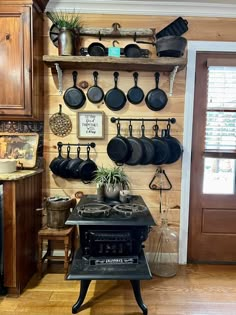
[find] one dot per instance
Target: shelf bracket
(59, 76)
(172, 79)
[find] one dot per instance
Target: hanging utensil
(160, 180)
(135, 94)
(60, 123)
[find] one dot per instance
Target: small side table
(65, 235)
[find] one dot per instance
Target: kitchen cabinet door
(16, 63)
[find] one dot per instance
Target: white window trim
(193, 48)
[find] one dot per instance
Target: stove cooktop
(89, 211)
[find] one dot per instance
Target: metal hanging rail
(92, 144)
(170, 120)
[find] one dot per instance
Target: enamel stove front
(111, 237)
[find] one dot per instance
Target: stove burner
(94, 210)
(128, 210)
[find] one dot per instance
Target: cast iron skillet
(95, 94)
(119, 148)
(149, 149)
(175, 146)
(73, 96)
(136, 149)
(115, 98)
(73, 165)
(62, 170)
(94, 49)
(86, 169)
(156, 99)
(162, 150)
(135, 95)
(56, 161)
(134, 51)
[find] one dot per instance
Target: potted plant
(110, 181)
(68, 25)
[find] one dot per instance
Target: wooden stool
(66, 235)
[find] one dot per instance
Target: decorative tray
(21, 147)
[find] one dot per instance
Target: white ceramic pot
(7, 166)
(112, 192)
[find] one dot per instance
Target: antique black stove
(111, 237)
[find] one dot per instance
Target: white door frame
(193, 48)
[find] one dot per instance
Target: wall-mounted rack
(169, 120)
(91, 144)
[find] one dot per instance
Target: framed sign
(91, 125)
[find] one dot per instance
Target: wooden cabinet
(21, 49)
(22, 222)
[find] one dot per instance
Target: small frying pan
(62, 170)
(136, 149)
(135, 95)
(119, 148)
(175, 147)
(149, 149)
(56, 161)
(73, 96)
(156, 99)
(162, 150)
(115, 98)
(95, 94)
(87, 168)
(73, 165)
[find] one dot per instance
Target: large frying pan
(175, 147)
(115, 98)
(62, 170)
(56, 161)
(95, 94)
(137, 149)
(156, 99)
(149, 149)
(119, 148)
(74, 97)
(86, 169)
(162, 151)
(135, 94)
(73, 165)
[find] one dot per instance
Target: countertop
(19, 174)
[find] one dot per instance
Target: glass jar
(164, 258)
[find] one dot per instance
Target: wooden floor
(195, 290)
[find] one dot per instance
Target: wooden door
(212, 221)
(15, 61)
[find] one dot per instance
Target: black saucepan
(136, 149)
(56, 161)
(149, 148)
(115, 98)
(73, 96)
(156, 99)
(135, 94)
(175, 147)
(87, 168)
(162, 150)
(62, 167)
(95, 94)
(73, 165)
(119, 148)
(134, 51)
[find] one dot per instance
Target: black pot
(171, 46)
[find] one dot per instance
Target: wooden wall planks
(211, 29)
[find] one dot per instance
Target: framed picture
(21, 147)
(90, 125)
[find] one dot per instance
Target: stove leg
(138, 297)
(84, 284)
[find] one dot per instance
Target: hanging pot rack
(91, 144)
(169, 120)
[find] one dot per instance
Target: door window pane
(219, 176)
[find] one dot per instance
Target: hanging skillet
(149, 149)
(56, 161)
(86, 169)
(73, 96)
(115, 98)
(73, 165)
(135, 95)
(162, 151)
(175, 146)
(156, 99)
(137, 149)
(62, 170)
(95, 94)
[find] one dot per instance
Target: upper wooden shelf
(162, 64)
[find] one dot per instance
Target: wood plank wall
(209, 29)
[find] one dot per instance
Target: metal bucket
(58, 210)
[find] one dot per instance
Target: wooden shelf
(162, 64)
